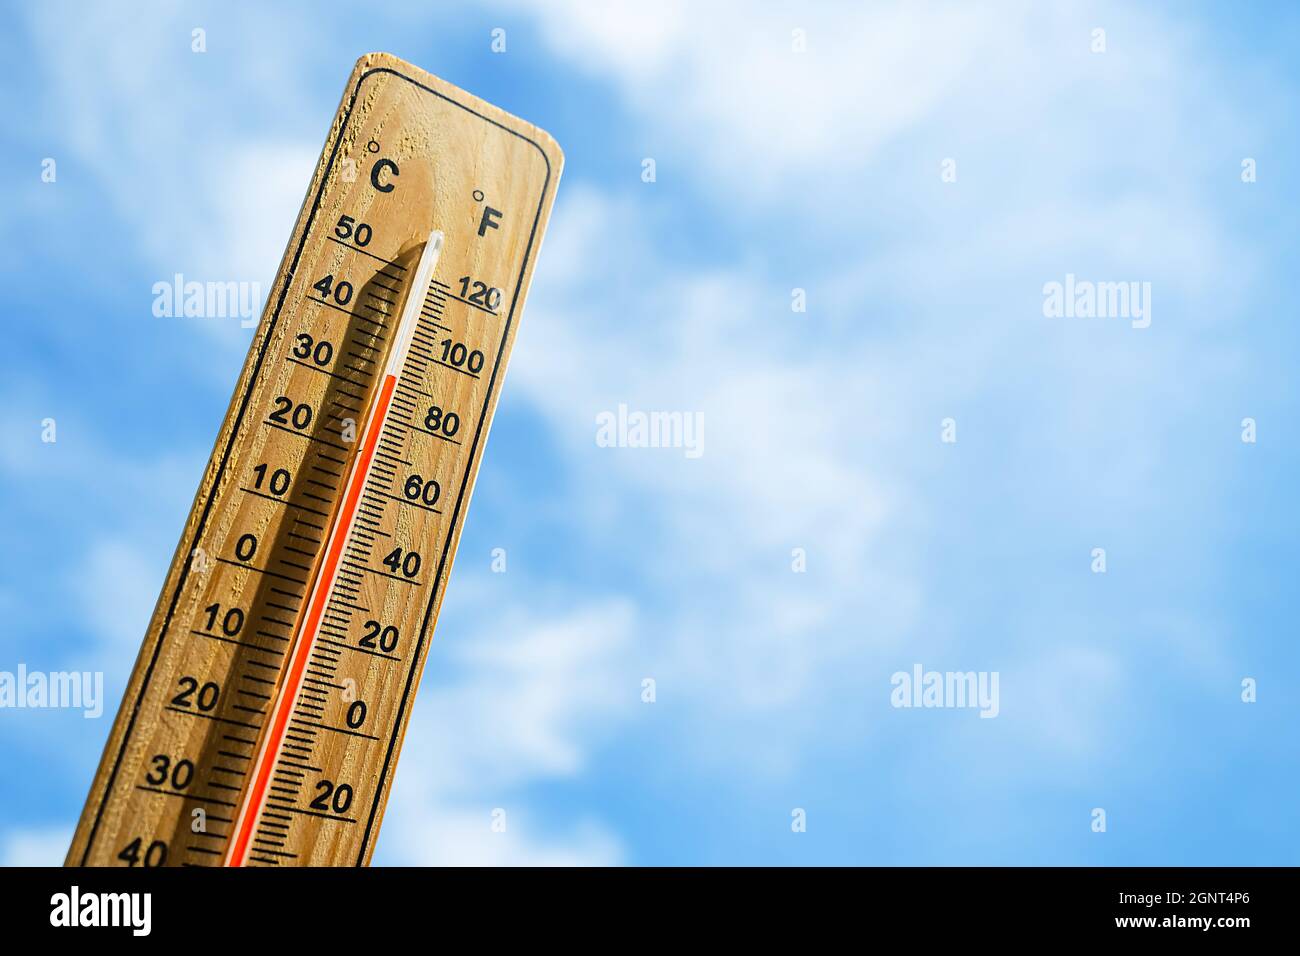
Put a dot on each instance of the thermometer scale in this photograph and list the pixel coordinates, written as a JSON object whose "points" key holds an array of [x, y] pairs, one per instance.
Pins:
{"points": [[262, 722]]}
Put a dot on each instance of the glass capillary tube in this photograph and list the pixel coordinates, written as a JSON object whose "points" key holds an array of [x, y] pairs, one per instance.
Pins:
{"points": [[305, 640]]}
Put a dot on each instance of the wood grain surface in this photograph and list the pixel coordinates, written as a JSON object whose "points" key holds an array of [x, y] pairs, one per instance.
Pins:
{"points": [[406, 153]]}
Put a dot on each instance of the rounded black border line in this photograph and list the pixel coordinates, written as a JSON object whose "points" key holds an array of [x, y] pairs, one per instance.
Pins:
{"points": [[439, 581], [239, 420]]}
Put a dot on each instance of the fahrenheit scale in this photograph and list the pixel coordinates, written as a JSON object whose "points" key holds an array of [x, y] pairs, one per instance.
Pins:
{"points": [[262, 723]]}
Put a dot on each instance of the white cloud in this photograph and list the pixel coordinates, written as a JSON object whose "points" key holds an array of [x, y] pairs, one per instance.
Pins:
{"points": [[445, 835], [35, 846], [791, 430], [116, 588], [127, 525], [520, 701], [822, 428], [724, 78], [197, 197], [209, 199]]}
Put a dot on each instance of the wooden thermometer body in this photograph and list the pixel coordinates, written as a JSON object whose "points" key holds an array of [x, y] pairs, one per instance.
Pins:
{"points": [[263, 720]]}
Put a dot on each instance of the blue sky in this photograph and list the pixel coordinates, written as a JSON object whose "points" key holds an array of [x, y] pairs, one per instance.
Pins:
{"points": [[776, 170]]}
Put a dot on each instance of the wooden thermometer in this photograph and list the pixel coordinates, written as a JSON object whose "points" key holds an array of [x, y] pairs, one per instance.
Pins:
{"points": [[262, 722]]}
